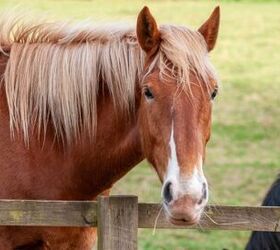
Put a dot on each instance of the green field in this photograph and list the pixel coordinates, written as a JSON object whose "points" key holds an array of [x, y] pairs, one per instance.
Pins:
{"points": [[244, 153]]}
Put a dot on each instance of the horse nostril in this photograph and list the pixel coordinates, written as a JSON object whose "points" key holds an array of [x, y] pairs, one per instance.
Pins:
{"points": [[167, 193], [204, 191], [204, 194]]}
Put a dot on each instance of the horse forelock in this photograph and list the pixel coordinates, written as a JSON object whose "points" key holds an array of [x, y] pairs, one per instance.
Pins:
{"points": [[54, 70]]}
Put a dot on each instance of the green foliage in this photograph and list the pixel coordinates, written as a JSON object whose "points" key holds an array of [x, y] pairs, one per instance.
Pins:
{"points": [[243, 155]]}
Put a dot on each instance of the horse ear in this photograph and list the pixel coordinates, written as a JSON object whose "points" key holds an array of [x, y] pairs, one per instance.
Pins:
{"points": [[210, 29], [147, 31]]}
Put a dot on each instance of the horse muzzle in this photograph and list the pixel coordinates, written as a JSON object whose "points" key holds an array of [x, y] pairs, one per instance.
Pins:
{"points": [[184, 209]]}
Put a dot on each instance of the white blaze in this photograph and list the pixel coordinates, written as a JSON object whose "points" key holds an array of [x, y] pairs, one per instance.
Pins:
{"points": [[192, 185], [173, 169]]}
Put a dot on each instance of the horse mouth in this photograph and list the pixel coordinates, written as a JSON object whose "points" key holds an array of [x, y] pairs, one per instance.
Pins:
{"points": [[183, 222]]}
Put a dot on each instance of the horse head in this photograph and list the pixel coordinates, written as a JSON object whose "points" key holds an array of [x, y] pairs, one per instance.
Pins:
{"points": [[178, 88]]}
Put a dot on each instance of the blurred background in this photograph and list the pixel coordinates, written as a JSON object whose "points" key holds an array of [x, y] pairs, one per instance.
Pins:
{"points": [[243, 155]]}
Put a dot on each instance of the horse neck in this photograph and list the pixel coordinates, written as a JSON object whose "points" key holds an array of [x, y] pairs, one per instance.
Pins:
{"points": [[115, 150]]}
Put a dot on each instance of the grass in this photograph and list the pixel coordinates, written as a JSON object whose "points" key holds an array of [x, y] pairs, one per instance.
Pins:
{"points": [[243, 155]]}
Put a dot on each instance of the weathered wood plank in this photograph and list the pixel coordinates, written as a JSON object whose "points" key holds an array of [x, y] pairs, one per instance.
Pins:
{"points": [[84, 214], [117, 222], [218, 217], [48, 213]]}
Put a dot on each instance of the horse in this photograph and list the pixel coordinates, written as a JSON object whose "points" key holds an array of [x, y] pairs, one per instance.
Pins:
{"points": [[267, 240], [81, 105]]}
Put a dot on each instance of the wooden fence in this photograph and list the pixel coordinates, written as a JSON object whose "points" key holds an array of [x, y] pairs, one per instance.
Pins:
{"points": [[119, 217]]}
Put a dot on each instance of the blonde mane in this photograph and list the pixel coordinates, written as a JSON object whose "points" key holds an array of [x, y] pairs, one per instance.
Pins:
{"points": [[54, 70]]}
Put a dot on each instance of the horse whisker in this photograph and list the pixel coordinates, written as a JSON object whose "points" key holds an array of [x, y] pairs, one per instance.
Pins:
{"points": [[156, 220], [225, 224]]}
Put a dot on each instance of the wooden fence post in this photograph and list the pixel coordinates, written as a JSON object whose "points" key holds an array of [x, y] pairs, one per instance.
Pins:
{"points": [[117, 220]]}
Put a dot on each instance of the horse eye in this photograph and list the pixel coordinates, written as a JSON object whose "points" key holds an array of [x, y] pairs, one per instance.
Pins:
{"points": [[148, 94], [214, 94]]}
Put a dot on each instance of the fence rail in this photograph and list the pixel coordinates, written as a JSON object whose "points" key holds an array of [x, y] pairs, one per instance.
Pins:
{"points": [[119, 217]]}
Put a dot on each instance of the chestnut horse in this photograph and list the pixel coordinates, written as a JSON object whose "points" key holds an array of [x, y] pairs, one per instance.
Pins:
{"points": [[80, 106]]}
